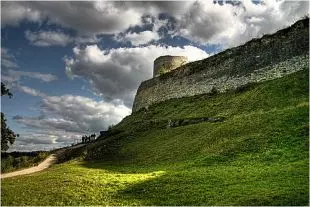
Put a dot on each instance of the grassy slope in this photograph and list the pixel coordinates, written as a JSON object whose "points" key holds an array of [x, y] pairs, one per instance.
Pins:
{"points": [[257, 156]]}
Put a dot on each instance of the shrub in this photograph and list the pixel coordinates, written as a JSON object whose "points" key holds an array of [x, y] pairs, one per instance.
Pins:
{"points": [[243, 88], [17, 160], [213, 91]]}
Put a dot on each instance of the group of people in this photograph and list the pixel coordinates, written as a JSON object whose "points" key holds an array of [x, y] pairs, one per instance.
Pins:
{"points": [[90, 138]]}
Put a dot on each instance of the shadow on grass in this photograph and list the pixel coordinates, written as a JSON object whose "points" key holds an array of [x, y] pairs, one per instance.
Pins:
{"points": [[252, 184], [202, 187]]}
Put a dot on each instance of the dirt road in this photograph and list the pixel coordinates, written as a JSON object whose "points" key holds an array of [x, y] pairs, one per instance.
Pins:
{"points": [[43, 165]]}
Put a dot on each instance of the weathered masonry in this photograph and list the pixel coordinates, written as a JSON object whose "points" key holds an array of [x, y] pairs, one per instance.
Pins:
{"points": [[267, 58]]}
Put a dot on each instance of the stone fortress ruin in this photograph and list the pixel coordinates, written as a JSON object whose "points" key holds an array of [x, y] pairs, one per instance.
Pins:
{"points": [[270, 57], [165, 64]]}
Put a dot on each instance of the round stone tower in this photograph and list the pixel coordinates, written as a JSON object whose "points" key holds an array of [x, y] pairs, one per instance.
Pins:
{"points": [[165, 64]]}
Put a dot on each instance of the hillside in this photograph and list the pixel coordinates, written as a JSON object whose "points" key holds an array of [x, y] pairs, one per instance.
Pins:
{"points": [[250, 147]]}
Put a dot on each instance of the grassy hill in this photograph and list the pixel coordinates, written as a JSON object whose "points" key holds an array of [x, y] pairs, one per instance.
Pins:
{"points": [[256, 154]]}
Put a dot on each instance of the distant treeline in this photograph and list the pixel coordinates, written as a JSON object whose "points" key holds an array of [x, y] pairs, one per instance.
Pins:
{"points": [[11, 161], [20, 154]]}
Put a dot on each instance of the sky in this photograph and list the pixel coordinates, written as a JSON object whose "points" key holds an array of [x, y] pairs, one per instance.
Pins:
{"points": [[74, 67]]}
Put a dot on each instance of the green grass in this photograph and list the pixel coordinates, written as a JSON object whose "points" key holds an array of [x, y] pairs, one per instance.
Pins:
{"points": [[180, 184], [259, 155]]}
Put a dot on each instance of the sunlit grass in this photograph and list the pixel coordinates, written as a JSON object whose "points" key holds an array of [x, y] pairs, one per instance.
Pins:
{"points": [[238, 183], [73, 184]]}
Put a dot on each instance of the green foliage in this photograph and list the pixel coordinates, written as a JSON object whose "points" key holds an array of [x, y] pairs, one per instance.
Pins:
{"points": [[5, 90], [258, 155], [7, 135], [19, 160]]}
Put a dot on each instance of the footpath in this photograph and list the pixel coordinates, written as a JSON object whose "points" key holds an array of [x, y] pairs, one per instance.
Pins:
{"points": [[43, 165]]}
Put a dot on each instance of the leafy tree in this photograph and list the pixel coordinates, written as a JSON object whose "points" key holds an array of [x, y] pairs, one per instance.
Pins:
{"points": [[7, 135], [5, 91]]}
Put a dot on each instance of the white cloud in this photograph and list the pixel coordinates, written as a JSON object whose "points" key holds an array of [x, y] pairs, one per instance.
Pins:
{"points": [[64, 119], [144, 37], [231, 25], [141, 38], [106, 17], [86, 39], [85, 17], [116, 74], [44, 140], [16, 75], [73, 113], [30, 91], [7, 59], [12, 13], [48, 38], [10, 75], [56, 38], [204, 22], [82, 113]]}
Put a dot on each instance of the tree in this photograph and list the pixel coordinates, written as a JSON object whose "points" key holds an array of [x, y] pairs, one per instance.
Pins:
{"points": [[7, 135], [5, 91]]}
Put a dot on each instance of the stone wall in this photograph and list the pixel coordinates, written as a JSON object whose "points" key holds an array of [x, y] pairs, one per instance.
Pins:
{"points": [[165, 64], [267, 58]]}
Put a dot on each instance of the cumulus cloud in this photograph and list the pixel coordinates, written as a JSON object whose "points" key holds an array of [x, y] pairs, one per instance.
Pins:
{"points": [[12, 13], [72, 113], [43, 140], [93, 17], [82, 114], [48, 38], [233, 24], [147, 36], [205, 22], [85, 17], [116, 74], [66, 118]]}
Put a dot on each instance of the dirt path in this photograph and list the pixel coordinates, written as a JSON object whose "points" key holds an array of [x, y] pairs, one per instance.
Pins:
{"points": [[43, 165]]}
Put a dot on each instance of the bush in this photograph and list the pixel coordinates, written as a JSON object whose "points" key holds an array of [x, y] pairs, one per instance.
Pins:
{"points": [[243, 88], [18, 160], [213, 91]]}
